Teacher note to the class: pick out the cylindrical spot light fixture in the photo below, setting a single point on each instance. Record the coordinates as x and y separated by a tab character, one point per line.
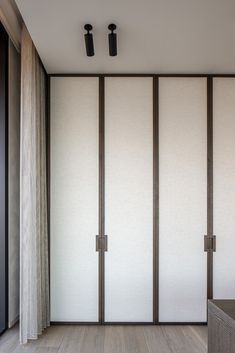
112	40
89	40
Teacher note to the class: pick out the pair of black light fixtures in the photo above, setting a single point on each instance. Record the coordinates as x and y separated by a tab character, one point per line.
90	44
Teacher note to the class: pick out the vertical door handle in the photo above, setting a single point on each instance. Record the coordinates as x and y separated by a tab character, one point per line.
101	243
209	243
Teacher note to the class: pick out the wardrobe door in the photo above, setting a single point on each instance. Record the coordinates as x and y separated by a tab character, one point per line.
182	199
129	199
74	198
224	187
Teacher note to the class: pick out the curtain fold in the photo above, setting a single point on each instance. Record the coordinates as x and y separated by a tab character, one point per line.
34	268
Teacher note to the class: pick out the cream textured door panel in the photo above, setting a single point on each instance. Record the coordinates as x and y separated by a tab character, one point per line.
182	199
129	199
74	198
224	187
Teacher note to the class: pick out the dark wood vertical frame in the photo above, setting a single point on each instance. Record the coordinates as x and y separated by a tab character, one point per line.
155	199
210	184
101	197
3	180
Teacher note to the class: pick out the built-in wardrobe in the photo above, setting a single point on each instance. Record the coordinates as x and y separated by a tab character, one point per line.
142	197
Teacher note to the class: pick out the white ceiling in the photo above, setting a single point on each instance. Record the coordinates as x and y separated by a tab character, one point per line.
161	36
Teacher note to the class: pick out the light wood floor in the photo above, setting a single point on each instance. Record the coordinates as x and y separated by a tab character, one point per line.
111	339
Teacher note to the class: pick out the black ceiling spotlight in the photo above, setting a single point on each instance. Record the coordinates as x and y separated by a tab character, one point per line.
89	40
112	40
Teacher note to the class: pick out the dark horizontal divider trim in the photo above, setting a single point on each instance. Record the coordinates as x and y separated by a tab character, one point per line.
140	75
183	323
101	75
115	323
58	323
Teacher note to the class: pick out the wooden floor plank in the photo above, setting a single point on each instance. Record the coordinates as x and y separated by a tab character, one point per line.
9	340
134	340
114	339
110	339
46	350
155	339
191	339
93	340
52	337
181	339
73	340
201	332
25	348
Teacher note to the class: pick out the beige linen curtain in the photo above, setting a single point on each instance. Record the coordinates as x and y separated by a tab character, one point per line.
34	273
